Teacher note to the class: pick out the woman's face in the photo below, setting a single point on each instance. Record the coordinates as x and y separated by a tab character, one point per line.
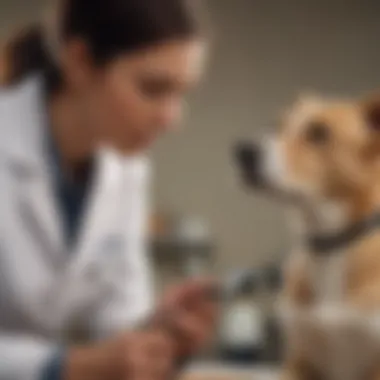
137	98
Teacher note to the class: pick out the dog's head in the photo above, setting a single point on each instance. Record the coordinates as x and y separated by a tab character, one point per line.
322	149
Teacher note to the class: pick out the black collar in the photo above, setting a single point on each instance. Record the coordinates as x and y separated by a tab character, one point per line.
325	244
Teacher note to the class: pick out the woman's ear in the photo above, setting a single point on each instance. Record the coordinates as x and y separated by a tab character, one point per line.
371	110
76	63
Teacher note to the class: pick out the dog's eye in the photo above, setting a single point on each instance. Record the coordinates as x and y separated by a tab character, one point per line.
317	133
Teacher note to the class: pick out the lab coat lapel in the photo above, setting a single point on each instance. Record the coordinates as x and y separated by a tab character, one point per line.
38	209
107	266
82	282
30	168
103	209
35	192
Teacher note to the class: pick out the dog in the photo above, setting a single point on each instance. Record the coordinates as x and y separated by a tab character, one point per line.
323	163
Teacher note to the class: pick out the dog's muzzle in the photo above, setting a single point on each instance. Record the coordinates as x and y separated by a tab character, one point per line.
249	159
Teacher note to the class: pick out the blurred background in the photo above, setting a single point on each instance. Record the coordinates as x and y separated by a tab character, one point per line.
264	54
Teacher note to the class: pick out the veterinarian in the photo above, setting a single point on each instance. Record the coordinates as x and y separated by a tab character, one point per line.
84	96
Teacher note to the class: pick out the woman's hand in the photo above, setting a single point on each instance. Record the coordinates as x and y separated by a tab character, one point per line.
183	324
189	312
140	355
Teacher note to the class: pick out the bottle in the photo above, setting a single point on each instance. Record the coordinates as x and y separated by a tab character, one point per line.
243	329
194	237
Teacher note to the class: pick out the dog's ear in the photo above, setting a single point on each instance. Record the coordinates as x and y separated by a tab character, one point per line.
305	104
371	110
308	99
308	102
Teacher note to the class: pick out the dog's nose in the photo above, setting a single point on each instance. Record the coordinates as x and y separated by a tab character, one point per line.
247	155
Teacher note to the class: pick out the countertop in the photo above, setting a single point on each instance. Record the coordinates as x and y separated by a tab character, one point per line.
220	371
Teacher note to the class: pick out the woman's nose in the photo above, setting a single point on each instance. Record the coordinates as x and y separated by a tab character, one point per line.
170	116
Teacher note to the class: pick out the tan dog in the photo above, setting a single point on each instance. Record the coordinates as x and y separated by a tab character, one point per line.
324	162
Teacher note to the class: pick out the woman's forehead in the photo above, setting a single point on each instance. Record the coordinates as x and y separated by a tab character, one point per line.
172	59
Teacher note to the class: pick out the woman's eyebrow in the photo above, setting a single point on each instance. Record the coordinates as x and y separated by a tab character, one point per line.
165	79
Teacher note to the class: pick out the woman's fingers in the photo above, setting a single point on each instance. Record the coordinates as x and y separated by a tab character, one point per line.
208	311
190	331
189	313
151	357
190	293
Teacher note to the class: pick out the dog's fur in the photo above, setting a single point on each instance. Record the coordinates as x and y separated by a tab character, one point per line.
325	160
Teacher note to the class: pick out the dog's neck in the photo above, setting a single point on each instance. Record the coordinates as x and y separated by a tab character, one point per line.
320	218
327	268
328	217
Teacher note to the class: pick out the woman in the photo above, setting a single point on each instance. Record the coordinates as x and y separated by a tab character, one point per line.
82	102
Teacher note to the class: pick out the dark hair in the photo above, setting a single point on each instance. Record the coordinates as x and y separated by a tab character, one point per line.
109	27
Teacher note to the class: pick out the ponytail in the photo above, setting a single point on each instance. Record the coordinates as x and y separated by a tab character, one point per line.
24	54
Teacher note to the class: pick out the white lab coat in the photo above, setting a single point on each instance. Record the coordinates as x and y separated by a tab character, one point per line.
46	291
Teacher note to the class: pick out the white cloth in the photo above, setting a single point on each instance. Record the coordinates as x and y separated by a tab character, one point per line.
104	284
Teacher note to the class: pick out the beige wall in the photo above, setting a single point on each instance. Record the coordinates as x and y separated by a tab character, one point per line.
266	52
15	12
